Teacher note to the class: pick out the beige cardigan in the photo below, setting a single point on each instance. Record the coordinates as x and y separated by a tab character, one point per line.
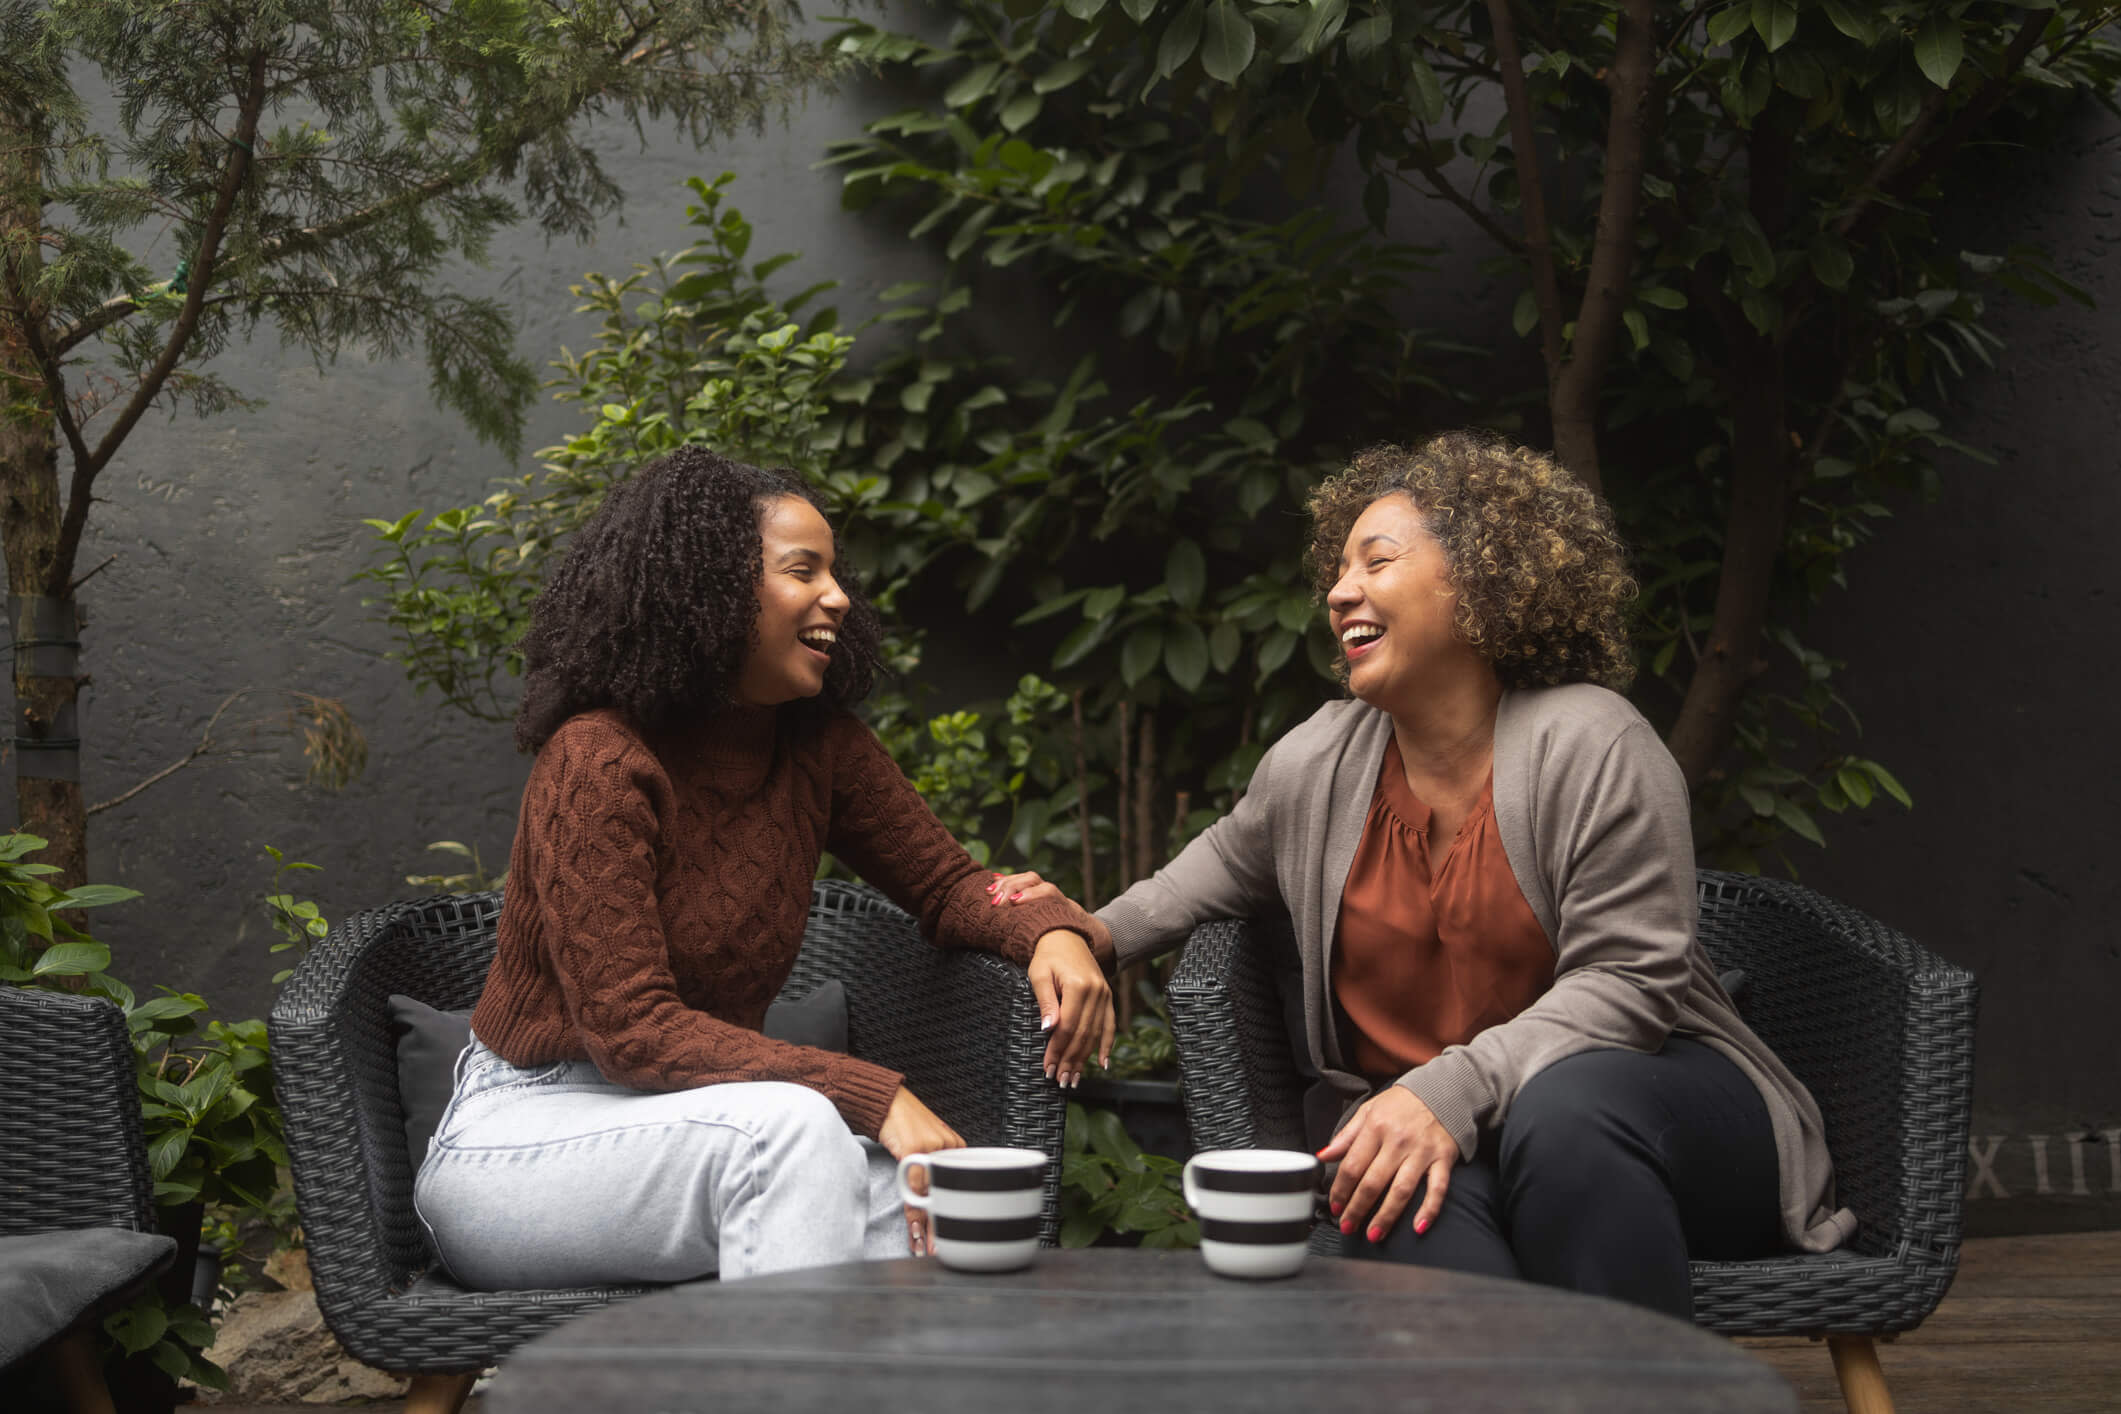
1593	816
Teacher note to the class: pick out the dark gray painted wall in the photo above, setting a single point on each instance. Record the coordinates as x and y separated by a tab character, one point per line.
1977	631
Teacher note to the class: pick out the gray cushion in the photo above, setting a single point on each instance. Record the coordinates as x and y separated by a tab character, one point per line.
51	1280
430	1040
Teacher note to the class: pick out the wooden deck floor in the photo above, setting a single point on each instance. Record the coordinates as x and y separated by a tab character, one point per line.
2032	1326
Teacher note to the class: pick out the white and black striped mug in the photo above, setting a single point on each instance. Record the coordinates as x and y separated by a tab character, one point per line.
983	1205
1254	1207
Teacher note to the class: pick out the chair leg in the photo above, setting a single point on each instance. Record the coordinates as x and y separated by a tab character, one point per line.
1862	1381
80	1373
438	1394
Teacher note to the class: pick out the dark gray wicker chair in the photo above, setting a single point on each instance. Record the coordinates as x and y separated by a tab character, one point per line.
77	1231
962	1026
1879	1029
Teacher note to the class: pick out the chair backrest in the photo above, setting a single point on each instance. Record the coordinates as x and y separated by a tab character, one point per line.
1878	1029
69	1117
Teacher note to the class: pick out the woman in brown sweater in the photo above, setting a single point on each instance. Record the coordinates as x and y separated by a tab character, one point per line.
618	1116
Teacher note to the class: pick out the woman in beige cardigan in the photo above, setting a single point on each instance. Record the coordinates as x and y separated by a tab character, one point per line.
1487	861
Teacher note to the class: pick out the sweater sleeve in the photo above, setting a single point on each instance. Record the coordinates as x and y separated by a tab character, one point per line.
882	827
1626	905
592	848
1227	871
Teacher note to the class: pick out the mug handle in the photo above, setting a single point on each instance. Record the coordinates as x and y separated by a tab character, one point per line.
1185	1185
905	1190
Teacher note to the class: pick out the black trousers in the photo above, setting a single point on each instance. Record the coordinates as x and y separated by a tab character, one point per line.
1609	1173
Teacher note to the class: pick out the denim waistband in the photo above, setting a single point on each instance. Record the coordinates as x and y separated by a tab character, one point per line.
480	1069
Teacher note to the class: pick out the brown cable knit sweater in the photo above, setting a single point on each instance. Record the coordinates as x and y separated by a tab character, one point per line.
658	890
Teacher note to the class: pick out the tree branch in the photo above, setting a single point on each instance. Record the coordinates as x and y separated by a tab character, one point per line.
1444	191
187	322
1538	234
1903	170
1574	393
206	744
296	242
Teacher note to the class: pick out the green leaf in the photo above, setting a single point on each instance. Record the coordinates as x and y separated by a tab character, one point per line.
972	86
94	896
1424	91
1186	654
1274	651
1831	262
1846	19
1797	821
1886	782
1525	317
1099	603
1775	21
1186	574
1226	47
1327	16
1661	296
1083	9
1939	47
1139	10
71	960
1067	71
1224	644
1140	652
1020	110
1854	784
1077	645
1051	607
1180	38
1727	25
1638	328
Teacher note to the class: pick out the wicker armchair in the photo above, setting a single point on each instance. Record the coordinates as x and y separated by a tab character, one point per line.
76	1202
962	1026
1878	1029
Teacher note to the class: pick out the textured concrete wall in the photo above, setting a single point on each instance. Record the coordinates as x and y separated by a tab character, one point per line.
1976	628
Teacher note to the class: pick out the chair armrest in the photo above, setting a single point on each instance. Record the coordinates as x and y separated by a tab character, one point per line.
1237	1060
962	1026
1880	1030
335	1068
69	1117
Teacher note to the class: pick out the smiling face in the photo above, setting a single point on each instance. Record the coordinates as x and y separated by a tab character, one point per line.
800	607
1392	608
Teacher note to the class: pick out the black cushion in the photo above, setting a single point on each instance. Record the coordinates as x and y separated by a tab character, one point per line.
51	1280
430	1040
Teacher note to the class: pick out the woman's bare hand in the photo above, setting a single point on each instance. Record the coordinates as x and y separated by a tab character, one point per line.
1074	1003
1021	888
910	1127
1387	1147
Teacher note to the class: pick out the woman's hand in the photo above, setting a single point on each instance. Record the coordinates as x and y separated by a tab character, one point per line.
1074	1003
1388	1146
910	1127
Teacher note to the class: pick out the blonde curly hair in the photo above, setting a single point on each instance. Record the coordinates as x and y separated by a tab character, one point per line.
1540	573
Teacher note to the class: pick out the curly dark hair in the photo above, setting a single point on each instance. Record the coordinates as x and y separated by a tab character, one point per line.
1541	574
655	603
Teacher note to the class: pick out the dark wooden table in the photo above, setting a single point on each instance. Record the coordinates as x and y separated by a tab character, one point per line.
1113	1329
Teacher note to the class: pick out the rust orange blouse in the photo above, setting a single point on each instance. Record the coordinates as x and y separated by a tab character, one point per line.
1429	953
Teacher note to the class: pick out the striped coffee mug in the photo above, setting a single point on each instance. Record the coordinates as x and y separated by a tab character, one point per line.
983	1205
1254	1207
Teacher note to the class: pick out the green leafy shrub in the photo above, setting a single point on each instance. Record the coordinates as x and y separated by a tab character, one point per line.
206	1100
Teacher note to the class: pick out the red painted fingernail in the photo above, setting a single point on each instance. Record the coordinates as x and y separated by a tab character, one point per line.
1337	1206
1347	1226
1421	1226
1377	1234
1014	897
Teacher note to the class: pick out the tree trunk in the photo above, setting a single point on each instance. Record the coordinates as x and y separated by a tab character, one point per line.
1761	467
41	612
1752	540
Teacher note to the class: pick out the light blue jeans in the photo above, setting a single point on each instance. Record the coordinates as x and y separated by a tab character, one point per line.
551	1175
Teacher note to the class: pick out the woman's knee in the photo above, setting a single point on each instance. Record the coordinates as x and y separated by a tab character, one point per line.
1576	1114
